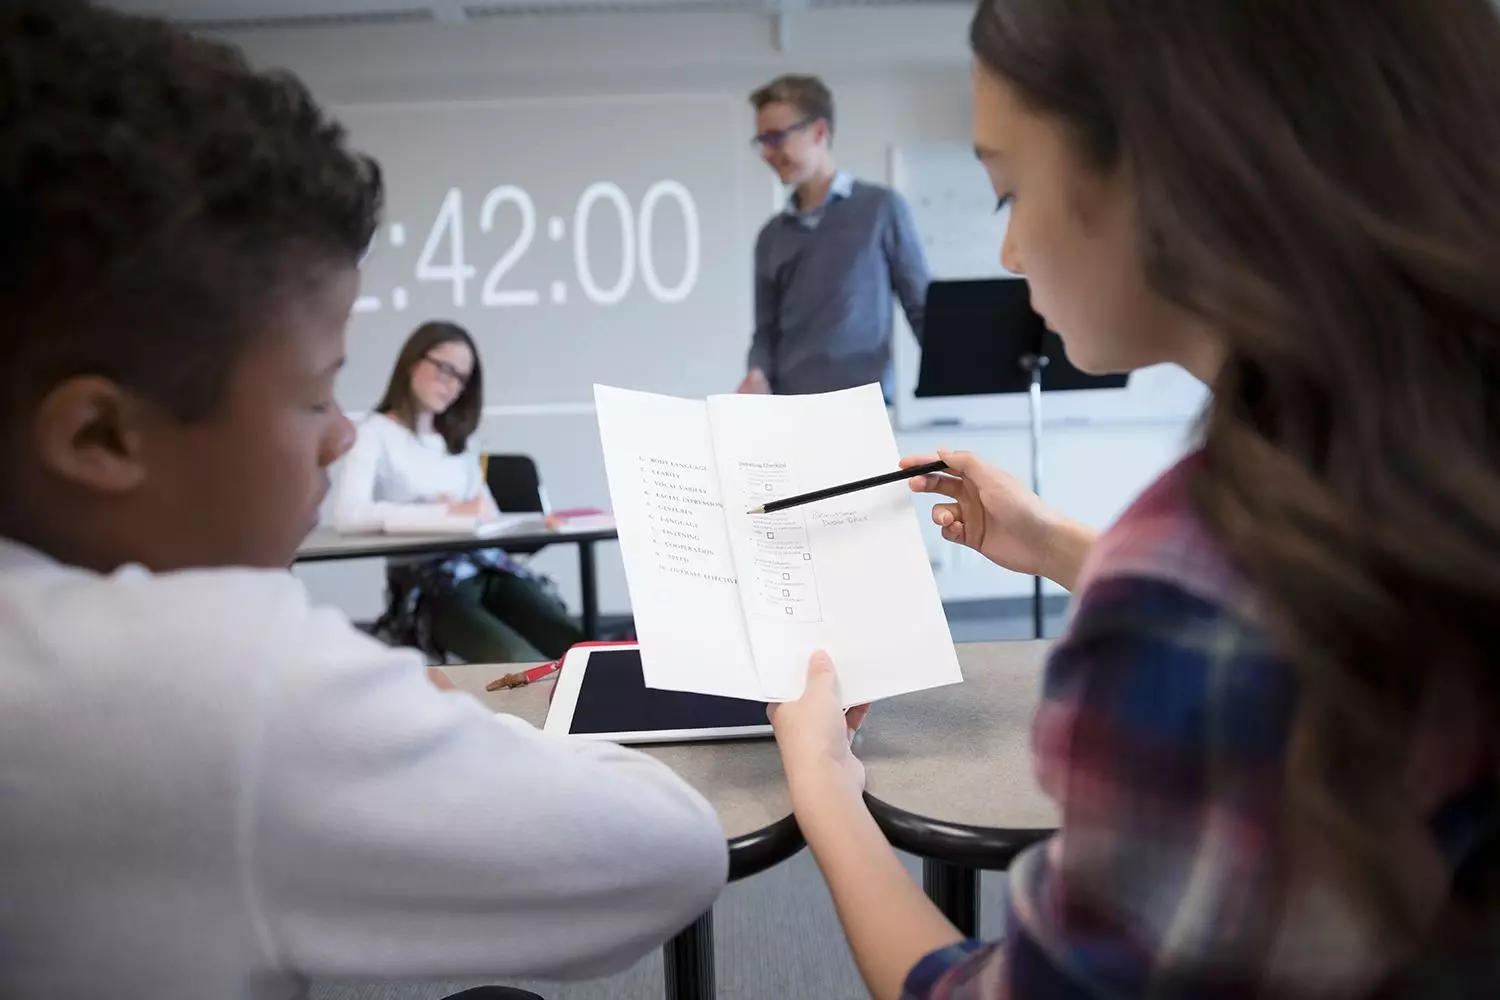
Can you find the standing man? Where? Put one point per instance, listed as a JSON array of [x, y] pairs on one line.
[[826, 266]]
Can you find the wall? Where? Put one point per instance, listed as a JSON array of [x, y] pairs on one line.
[[900, 76]]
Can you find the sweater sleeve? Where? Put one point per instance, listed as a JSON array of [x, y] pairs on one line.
[[908, 265], [397, 831], [356, 506], [767, 335], [477, 487], [1161, 736]]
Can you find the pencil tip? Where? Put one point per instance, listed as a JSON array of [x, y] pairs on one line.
[[759, 509]]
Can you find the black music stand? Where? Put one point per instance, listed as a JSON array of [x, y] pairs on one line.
[[982, 338]]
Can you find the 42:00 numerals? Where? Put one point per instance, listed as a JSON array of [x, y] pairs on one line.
[[443, 258]]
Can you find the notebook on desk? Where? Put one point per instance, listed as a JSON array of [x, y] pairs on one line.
[[420, 522], [733, 604]]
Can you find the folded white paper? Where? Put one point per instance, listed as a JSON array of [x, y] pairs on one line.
[[734, 604]]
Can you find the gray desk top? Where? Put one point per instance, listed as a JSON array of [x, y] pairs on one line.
[[962, 753], [325, 543], [742, 779]]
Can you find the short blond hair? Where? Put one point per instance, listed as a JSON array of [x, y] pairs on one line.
[[807, 94]]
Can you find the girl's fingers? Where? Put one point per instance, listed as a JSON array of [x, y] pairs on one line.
[[948, 486], [944, 514]]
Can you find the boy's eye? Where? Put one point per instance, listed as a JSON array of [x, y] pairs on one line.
[[1004, 201]]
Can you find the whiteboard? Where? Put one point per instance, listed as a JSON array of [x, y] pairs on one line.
[[580, 240], [953, 207]]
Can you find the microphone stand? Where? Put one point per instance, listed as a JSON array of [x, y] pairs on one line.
[[1033, 364]]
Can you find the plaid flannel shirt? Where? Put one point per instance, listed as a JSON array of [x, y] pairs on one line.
[[1162, 735]]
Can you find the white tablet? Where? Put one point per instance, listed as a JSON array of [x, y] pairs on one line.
[[601, 694]]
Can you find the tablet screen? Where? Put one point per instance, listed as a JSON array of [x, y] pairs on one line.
[[614, 698]]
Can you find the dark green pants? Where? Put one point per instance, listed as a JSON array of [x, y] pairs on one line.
[[495, 617]]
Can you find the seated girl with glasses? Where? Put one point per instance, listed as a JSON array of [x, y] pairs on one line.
[[413, 453]]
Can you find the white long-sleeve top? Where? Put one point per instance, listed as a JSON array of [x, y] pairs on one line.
[[392, 470], [211, 788]]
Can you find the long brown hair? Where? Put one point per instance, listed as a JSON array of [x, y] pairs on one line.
[[1320, 183], [458, 421]]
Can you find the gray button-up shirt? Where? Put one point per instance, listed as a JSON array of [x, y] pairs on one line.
[[823, 284]]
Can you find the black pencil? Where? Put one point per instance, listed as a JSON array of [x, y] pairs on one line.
[[838, 491]]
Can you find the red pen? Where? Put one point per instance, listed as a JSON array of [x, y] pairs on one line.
[[522, 677]]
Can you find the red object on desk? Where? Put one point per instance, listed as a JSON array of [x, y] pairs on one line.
[[563, 515], [523, 677]]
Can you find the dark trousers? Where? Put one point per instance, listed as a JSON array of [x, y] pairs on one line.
[[495, 617]]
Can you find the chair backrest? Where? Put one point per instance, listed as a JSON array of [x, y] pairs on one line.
[[516, 484]]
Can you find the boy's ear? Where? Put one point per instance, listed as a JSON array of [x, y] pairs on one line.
[[88, 430]]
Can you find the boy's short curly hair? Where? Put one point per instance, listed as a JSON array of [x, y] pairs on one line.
[[160, 201]]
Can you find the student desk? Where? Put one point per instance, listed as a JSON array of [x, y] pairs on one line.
[[741, 779], [326, 545], [948, 773], [948, 779]]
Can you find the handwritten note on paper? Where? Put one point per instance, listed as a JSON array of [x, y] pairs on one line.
[[840, 518]]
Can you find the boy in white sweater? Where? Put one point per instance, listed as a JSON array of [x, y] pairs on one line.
[[210, 788]]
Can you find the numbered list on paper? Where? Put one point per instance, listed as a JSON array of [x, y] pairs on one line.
[[681, 505]]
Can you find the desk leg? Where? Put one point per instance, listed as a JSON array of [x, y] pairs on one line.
[[1038, 616], [955, 890], [689, 961], [588, 584]]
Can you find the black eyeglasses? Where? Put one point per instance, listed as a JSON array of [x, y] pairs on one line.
[[448, 371], [776, 138]]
